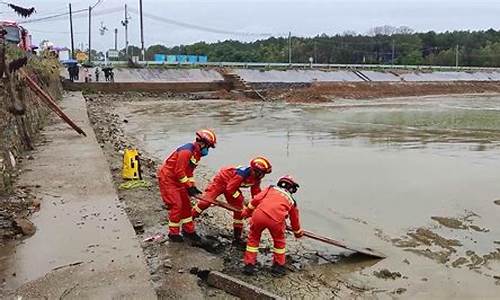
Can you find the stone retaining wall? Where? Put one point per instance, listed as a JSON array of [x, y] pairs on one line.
[[17, 132]]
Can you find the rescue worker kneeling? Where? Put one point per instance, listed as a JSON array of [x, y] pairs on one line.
[[229, 181], [177, 185], [269, 210]]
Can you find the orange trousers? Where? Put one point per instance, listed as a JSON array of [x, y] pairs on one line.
[[179, 208], [259, 222]]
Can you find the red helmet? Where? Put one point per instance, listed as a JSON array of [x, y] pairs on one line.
[[207, 136], [262, 164], [288, 183]]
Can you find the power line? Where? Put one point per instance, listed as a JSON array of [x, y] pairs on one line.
[[199, 27], [51, 17], [55, 32], [97, 3], [78, 13]]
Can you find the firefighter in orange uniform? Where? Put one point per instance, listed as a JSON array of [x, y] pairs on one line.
[[229, 181], [177, 184], [269, 210]]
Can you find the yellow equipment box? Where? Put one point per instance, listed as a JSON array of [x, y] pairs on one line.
[[131, 165]]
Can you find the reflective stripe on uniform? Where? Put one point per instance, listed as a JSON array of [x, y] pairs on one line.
[[173, 224], [252, 249], [286, 194], [236, 194], [193, 160], [187, 220], [184, 179], [279, 250], [198, 210], [191, 179], [237, 221]]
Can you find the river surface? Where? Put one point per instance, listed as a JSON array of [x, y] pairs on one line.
[[370, 172]]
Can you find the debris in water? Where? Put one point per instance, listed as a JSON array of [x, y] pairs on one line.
[[386, 274], [138, 227], [400, 291], [25, 225], [450, 222], [155, 237], [459, 261], [68, 265]]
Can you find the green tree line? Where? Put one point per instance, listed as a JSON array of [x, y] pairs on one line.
[[382, 45]]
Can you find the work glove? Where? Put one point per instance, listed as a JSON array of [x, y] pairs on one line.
[[194, 191], [298, 234], [246, 213]]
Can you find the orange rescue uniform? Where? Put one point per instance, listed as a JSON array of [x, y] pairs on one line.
[[269, 210], [229, 181], [175, 176]]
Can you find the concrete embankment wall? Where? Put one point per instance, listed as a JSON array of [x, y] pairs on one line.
[[196, 80], [310, 76], [158, 87], [19, 130]]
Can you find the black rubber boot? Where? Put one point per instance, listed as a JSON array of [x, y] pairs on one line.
[[278, 270], [249, 270], [194, 237], [238, 242], [175, 238]]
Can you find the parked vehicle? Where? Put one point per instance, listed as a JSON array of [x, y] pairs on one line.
[[17, 35]]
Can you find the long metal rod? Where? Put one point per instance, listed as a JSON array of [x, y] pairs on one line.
[[71, 31], [309, 234]]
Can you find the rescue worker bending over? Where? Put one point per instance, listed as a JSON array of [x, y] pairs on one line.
[[228, 182], [176, 180], [268, 210]]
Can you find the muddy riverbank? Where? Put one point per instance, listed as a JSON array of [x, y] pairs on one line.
[[427, 167]]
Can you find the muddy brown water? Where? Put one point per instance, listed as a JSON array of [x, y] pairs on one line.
[[370, 171]]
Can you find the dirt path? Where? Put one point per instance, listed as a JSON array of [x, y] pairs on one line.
[[85, 246]]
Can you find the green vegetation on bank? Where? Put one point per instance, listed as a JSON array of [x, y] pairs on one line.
[[474, 48]]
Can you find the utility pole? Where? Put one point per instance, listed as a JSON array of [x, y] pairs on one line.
[[125, 24], [393, 52], [314, 54], [90, 34], [71, 31], [143, 52], [290, 47], [456, 56], [116, 38]]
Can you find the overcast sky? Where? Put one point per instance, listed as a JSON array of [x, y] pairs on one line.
[[302, 18]]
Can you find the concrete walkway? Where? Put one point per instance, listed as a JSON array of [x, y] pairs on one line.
[[85, 246]]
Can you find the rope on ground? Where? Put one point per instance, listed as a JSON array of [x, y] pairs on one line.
[[134, 184]]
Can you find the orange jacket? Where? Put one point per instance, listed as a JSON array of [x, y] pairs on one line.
[[234, 178], [178, 168], [278, 204]]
